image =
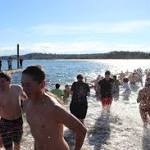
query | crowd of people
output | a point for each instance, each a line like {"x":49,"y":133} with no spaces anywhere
{"x":46,"y":114}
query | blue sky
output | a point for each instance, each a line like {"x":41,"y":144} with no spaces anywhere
{"x":74,"y":26}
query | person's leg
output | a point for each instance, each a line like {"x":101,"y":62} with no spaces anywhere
{"x":6,"y":138}
{"x":103,"y":101}
{"x":17,"y":134}
{"x":143,"y":114}
{"x":148,"y":116}
{"x":1,"y":143}
{"x":16,"y":146}
{"x":7,"y":142}
{"x":108,"y":103}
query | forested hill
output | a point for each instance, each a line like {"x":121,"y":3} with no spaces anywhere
{"x":111,"y":55}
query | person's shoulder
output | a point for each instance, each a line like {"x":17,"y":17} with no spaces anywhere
{"x":51,"y":99}
{"x":52,"y":102}
{"x":16,"y":87}
{"x":142,"y":90}
{"x":53,"y":90}
{"x":86,"y":84}
{"x":74,"y":83}
{"x":101,"y":81}
{"x":112,"y":80}
{"x":60,"y":90}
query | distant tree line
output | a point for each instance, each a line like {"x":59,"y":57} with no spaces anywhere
{"x":110,"y":55}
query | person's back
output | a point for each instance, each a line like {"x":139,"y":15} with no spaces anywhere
{"x":57,"y":92}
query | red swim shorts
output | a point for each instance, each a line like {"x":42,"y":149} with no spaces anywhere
{"x":106,"y":101}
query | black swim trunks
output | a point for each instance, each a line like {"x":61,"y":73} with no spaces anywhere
{"x":79,"y":109}
{"x":11,"y":131}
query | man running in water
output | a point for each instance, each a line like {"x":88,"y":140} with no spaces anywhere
{"x":105,"y":87}
{"x":10,"y":113}
{"x":46,"y":116}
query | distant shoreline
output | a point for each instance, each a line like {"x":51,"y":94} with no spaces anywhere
{"x":110,"y":55}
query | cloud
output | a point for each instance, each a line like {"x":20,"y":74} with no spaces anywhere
{"x":85,"y":28}
{"x":79,"y":47}
{"x":39,"y":38}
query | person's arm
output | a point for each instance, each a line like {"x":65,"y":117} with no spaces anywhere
{"x":98,"y":91}
{"x":23,"y":97}
{"x":72,"y":88}
{"x":72,"y":123}
{"x":88,"y":90}
{"x":140,"y":96}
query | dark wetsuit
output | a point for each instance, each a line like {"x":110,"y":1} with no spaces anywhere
{"x":11,"y":131}
{"x":79,"y":105}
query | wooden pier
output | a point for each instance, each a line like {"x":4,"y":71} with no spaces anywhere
{"x":13,"y":71}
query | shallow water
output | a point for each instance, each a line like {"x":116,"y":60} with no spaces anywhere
{"x":122,"y":129}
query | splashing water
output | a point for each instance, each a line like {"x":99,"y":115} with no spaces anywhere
{"x":122,"y":129}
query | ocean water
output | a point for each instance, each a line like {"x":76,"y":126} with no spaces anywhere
{"x":122,"y":129}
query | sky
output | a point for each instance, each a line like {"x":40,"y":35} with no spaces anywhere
{"x":74,"y":26}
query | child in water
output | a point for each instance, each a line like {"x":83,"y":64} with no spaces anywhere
{"x":66,"y":93}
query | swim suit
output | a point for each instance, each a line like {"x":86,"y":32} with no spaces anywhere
{"x":106,"y":101}
{"x":11,"y":131}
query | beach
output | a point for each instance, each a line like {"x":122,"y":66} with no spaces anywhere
{"x":122,"y":129}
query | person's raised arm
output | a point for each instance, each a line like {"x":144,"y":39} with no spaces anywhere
{"x":72,"y":123}
{"x":23,"y":97}
{"x":140,"y":96}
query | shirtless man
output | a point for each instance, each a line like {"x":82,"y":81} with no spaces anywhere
{"x":46,"y":116}
{"x":10,"y":113}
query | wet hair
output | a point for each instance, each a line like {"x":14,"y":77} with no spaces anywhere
{"x":5,"y":75}
{"x":115,"y":77}
{"x":66,"y":86}
{"x":125,"y":80}
{"x":107,"y":72}
{"x":57,"y":86}
{"x":36,"y":73}
{"x":79,"y":76}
